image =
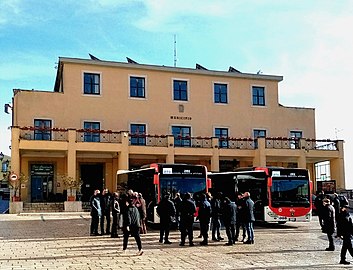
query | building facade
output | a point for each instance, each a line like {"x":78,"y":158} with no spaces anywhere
{"x":105,"y":116}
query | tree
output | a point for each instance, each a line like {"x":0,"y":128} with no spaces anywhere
{"x":15,"y":185}
{"x":71,"y":184}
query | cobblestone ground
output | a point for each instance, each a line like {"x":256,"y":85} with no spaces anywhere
{"x":62,"y":241}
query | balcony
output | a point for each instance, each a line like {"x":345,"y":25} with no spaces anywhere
{"x":109,"y":136}
{"x":148,"y":140}
{"x":300,"y":143}
{"x":237,"y":143}
{"x":43,"y":134}
{"x":102,"y":136}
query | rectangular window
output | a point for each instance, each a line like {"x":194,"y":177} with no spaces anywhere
{"x":137,"y":87}
{"x":259,"y":133}
{"x":91,"y":83}
{"x":220,"y":93}
{"x":222,"y":135}
{"x":180,"y":90}
{"x":181,"y":136}
{"x":138,"y":134}
{"x":295,"y":136}
{"x":91,"y":131}
{"x":42,"y":129}
{"x":258,"y":96}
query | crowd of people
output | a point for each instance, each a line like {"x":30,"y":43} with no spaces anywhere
{"x":334,"y":217}
{"x":128,"y":213}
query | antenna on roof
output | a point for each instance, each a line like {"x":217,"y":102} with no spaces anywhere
{"x":175,"y":51}
{"x":93,"y":57}
{"x":130,"y":61}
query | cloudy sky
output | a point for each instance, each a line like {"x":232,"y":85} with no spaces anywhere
{"x":309,"y":43}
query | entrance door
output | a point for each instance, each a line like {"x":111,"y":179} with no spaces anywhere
{"x":42,"y":182}
{"x":37,"y":188}
{"x":92,"y":176}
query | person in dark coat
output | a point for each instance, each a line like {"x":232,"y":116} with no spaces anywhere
{"x":187,"y":213}
{"x":249,"y":217}
{"x":319,"y":206}
{"x":96,"y":212}
{"x":336,"y":204}
{"x":328,"y":220}
{"x":204,"y":216}
{"x":229,"y":219}
{"x":216,"y":216}
{"x":166,"y":212}
{"x":240,"y":218}
{"x":177,"y":202}
{"x":131,"y":225}
{"x":115,"y":213}
{"x":345,"y":231}
{"x":106,"y":210}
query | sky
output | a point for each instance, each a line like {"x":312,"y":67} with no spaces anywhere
{"x":308,"y":42}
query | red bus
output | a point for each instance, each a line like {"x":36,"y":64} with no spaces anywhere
{"x":155,"y":180}
{"x":280,"y":194}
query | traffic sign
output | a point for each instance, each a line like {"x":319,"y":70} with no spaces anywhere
{"x":13,"y":177}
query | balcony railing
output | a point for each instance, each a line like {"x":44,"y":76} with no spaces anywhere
{"x":311,"y":144}
{"x":43,"y":134}
{"x":282,"y":143}
{"x":93,"y":135}
{"x":108,"y":136}
{"x":237,"y":143}
{"x":148,"y":140}
{"x":187,"y":141}
{"x":301,"y":143}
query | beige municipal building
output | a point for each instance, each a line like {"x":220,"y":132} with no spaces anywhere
{"x":105,"y":116}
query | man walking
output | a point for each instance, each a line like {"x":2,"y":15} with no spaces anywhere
{"x":131,"y":225}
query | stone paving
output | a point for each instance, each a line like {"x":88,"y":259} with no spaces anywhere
{"x":62,"y":241}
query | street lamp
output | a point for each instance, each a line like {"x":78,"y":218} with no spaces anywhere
{"x":5,"y":168}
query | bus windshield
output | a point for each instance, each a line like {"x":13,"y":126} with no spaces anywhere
{"x":290,"y":192}
{"x":182,"y":185}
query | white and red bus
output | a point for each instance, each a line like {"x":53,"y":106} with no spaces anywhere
{"x":155,"y":180}
{"x":280,"y":194}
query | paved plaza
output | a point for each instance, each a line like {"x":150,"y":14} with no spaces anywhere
{"x":61,"y":241}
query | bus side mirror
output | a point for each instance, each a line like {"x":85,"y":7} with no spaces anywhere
{"x":209,"y":183}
